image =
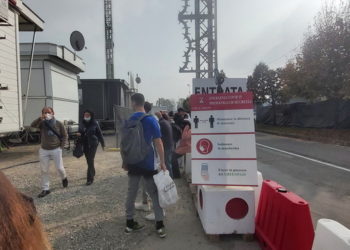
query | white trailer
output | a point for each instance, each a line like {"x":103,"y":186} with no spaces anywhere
{"x":53,"y":81}
{"x":15,"y":16}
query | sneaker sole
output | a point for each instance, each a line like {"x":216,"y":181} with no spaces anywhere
{"x":132,"y":231}
{"x":162,"y":236}
{"x":43,"y":195}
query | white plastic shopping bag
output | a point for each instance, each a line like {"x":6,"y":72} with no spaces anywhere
{"x":167,"y":192}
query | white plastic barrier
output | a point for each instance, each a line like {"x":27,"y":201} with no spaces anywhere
{"x":257,"y":191}
{"x":331,"y":235}
{"x":226,"y":210}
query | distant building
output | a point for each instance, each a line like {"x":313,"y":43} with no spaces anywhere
{"x":100,"y":95}
{"x":54,"y":81}
{"x":15,"y":17}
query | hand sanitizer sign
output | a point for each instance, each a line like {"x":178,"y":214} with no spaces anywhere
{"x":223,"y":139}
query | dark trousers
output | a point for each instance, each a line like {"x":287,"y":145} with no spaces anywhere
{"x":90,"y":152}
{"x":175,"y":165}
{"x":168,"y":155}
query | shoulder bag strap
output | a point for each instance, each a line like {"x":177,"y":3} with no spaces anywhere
{"x":53,"y":131}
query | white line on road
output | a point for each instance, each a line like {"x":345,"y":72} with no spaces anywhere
{"x":304,"y":157}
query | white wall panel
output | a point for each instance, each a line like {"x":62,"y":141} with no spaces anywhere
{"x":10,"y":99}
{"x":64,"y":86}
{"x":66,"y":110}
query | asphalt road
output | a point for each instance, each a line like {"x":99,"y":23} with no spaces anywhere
{"x":319,"y":173}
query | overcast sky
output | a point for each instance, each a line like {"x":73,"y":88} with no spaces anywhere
{"x":148,"y":38}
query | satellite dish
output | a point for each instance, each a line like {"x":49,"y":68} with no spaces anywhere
{"x":138,"y":79}
{"x":77,"y":41}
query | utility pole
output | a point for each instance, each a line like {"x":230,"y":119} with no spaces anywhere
{"x":204,"y":43}
{"x":109,"y":44}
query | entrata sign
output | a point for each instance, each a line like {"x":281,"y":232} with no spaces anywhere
{"x":223,"y":139}
{"x":209,"y":86}
{"x":4,"y":10}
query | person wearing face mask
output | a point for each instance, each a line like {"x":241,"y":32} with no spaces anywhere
{"x":91,"y":135}
{"x":53,"y":138}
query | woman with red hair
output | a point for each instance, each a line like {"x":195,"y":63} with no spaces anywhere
{"x":20,"y":228}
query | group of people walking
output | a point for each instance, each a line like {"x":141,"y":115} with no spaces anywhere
{"x":165,"y":133}
{"x":176,"y":140}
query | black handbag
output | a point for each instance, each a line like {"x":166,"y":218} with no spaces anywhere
{"x":78,"y":150}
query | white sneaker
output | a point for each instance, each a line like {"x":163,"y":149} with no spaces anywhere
{"x":152,"y":217}
{"x":143,"y":207}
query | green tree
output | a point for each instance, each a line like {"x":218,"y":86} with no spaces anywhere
{"x":267,"y":86}
{"x":257,"y":82}
{"x":169,"y":104}
{"x":321,"y":71}
{"x":180,"y":102}
{"x":186,"y":104}
{"x":292,"y":80}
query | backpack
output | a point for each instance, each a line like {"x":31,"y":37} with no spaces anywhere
{"x":177,"y":133}
{"x":133,"y":146}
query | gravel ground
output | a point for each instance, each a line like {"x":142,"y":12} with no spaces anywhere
{"x":92,"y":217}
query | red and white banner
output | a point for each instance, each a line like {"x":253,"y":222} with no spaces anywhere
{"x":224,"y":101}
{"x":223,"y":139}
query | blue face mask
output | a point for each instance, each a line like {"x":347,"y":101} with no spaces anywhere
{"x":87,"y":119}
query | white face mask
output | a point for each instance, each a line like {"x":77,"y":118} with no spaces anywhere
{"x":48,"y":117}
{"x":87,"y":119}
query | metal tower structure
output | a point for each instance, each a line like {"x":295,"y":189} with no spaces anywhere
{"x":204,"y":43}
{"x":109,"y":39}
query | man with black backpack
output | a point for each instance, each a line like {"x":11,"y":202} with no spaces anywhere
{"x":141,"y":151}
{"x":53,"y":138}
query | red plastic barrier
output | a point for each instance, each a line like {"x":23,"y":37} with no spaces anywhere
{"x":283,"y":221}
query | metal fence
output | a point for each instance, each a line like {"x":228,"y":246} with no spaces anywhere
{"x":327,"y":114}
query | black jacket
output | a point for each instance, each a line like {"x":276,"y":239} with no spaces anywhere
{"x":167,"y":134}
{"x":91,"y":133}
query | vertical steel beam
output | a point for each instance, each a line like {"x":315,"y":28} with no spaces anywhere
{"x":211,"y":37}
{"x":197,"y":35}
{"x":204,"y":43}
{"x":109,"y":44}
{"x":216,"y":35}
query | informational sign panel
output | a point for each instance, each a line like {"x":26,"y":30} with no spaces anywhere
{"x":223,"y":139}
{"x":4,"y":9}
{"x":209,"y":86}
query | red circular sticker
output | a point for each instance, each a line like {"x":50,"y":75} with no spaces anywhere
{"x":204,"y":146}
{"x":237,"y":208}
